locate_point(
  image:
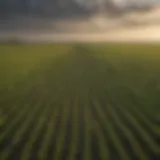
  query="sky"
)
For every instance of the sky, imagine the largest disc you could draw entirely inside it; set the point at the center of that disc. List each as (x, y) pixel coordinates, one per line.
(32, 26)
(118, 2)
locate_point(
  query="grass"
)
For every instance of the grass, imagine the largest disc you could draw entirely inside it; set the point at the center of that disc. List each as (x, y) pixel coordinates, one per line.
(137, 66)
(17, 61)
(67, 101)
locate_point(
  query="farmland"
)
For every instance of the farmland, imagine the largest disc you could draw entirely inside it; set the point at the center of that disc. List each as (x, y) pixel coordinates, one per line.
(79, 102)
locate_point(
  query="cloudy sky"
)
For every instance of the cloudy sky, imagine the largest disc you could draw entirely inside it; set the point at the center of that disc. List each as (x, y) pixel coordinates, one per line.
(118, 2)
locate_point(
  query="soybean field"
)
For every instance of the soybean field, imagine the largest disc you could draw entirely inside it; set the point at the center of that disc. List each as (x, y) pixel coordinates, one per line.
(79, 102)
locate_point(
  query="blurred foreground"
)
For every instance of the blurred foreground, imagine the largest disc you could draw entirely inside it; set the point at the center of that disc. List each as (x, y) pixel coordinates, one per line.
(79, 102)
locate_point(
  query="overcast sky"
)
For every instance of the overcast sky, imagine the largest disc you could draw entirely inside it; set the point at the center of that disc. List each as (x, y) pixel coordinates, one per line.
(119, 2)
(122, 1)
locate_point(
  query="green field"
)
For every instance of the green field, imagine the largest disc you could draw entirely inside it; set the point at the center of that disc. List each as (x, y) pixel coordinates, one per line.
(79, 102)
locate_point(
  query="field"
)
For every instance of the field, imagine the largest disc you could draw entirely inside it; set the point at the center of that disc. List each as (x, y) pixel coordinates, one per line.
(79, 102)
